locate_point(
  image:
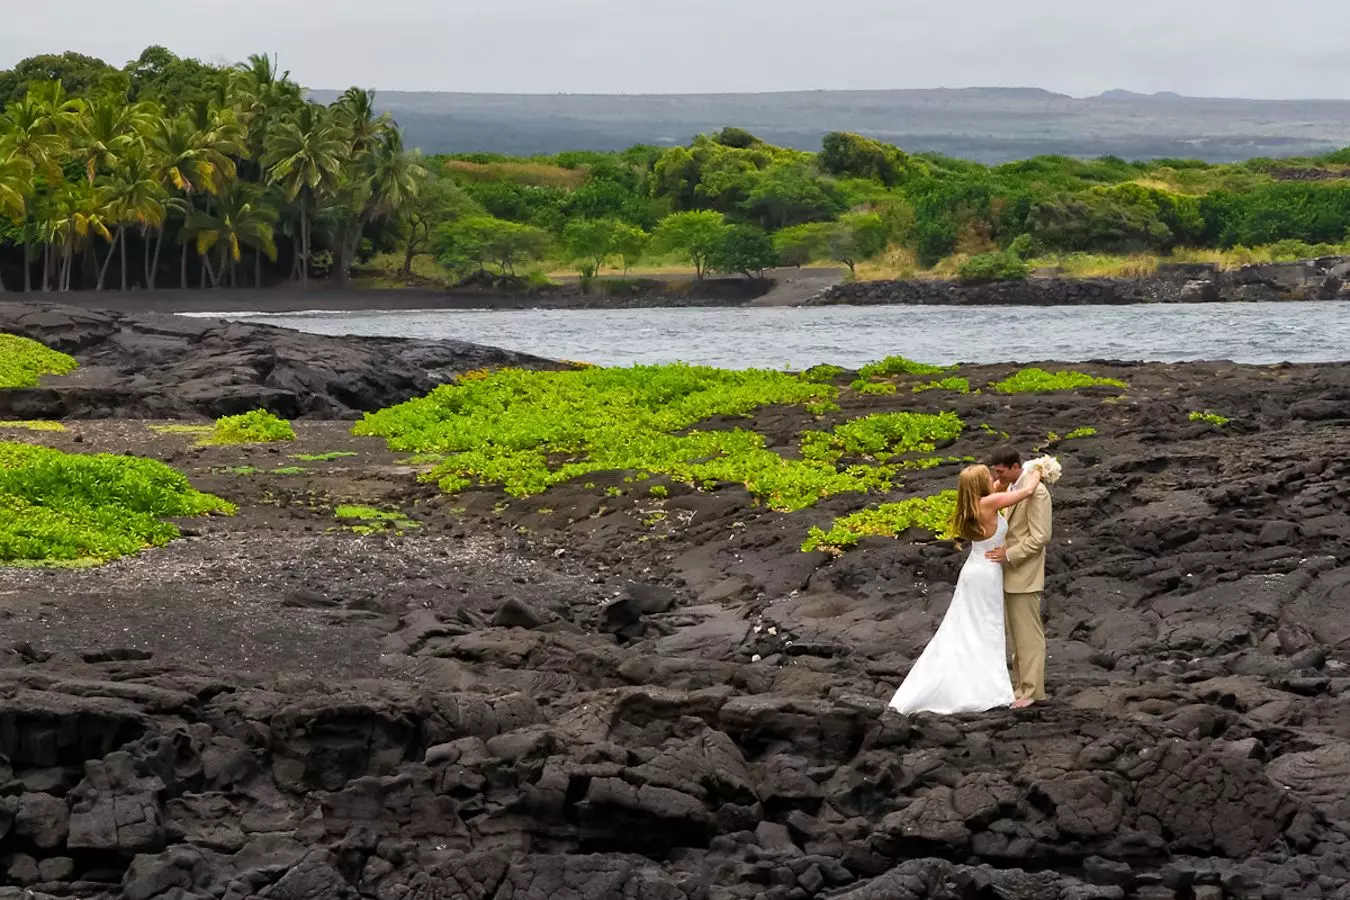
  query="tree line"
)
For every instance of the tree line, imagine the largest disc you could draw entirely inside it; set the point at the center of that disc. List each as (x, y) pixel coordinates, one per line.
(174, 171)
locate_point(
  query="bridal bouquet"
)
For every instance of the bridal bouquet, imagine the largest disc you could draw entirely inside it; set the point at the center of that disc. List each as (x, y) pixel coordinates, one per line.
(1049, 467)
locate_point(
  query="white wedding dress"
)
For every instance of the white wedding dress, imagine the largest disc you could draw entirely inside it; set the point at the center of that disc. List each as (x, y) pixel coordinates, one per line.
(964, 668)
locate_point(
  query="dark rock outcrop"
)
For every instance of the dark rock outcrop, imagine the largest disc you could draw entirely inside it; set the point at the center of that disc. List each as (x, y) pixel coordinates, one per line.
(163, 366)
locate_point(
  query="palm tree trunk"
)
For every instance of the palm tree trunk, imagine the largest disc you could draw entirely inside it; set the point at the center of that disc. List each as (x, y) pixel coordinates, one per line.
(304, 246)
(257, 269)
(107, 261)
(46, 268)
(27, 269)
(408, 260)
(153, 271)
(182, 267)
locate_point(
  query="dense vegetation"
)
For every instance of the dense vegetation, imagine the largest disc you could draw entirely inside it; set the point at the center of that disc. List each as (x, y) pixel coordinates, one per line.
(106, 174)
(62, 507)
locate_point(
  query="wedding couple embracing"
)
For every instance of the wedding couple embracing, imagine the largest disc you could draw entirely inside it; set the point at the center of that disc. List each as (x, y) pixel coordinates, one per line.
(1003, 509)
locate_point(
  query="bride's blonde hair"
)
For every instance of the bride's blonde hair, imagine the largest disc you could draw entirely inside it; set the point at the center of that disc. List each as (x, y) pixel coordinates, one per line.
(975, 484)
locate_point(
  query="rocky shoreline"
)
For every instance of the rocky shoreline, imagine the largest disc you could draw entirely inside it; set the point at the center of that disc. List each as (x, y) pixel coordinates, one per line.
(571, 695)
(1306, 280)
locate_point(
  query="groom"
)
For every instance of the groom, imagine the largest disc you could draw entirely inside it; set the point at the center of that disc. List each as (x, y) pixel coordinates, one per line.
(1023, 560)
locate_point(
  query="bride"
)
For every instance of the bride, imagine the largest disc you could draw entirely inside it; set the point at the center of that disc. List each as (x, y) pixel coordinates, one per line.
(964, 668)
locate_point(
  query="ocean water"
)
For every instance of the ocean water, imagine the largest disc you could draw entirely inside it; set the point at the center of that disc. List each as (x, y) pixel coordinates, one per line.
(853, 335)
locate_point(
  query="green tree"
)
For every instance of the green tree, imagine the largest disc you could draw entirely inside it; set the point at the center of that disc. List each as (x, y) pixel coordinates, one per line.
(630, 243)
(590, 242)
(856, 237)
(790, 195)
(439, 201)
(694, 235)
(803, 244)
(479, 240)
(855, 156)
(136, 198)
(745, 249)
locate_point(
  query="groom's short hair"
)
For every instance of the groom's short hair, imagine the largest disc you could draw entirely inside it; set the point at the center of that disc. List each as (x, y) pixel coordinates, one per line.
(1005, 456)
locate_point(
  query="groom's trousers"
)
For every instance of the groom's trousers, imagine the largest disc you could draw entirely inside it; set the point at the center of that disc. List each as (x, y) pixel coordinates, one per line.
(1022, 614)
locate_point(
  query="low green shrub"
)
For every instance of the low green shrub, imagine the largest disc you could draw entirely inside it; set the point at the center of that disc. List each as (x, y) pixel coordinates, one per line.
(23, 362)
(256, 427)
(33, 425)
(883, 436)
(65, 507)
(323, 457)
(1003, 266)
(933, 514)
(1210, 418)
(372, 520)
(1039, 381)
(822, 374)
(874, 388)
(960, 385)
(898, 365)
(822, 407)
(1085, 432)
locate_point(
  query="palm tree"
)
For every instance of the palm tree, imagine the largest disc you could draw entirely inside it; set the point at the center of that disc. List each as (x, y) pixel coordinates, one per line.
(109, 130)
(241, 218)
(356, 111)
(380, 182)
(36, 129)
(77, 213)
(136, 196)
(16, 186)
(305, 157)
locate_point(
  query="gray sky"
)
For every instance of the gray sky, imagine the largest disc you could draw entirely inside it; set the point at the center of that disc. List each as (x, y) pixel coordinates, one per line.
(1234, 48)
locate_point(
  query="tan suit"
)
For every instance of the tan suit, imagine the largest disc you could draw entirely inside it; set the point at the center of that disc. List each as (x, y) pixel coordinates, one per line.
(1029, 527)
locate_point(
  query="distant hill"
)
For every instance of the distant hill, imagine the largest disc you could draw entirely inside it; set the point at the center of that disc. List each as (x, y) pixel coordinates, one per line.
(990, 125)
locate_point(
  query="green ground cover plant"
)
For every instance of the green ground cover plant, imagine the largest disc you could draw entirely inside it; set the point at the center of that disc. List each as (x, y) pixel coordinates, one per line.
(883, 436)
(323, 457)
(872, 388)
(33, 425)
(256, 427)
(898, 365)
(933, 513)
(372, 520)
(23, 362)
(959, 385)
(1039, 381)
(1209, 418)
(527, 431)
(63, 507)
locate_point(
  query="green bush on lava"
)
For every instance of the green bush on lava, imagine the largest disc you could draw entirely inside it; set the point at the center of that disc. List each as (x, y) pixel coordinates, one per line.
(875, 388)
(822, 374)
(24, 361)
(527, 431)
(64, 507)
(256, 427)
(898, 365)
(1209, 418)
(372, 520)
(1039, 381)
(323, 457)
(933, 514)
(33, 425)
(959, 385)
(883, 436)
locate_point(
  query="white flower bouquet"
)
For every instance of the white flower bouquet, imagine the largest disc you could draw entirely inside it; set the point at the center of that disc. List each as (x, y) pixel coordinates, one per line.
(1049, 467)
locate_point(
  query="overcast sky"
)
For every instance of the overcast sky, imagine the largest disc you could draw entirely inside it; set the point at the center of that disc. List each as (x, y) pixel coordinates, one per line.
(1234, 48)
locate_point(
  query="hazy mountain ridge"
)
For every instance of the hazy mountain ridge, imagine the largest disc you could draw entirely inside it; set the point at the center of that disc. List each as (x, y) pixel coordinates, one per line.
(986, 124)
